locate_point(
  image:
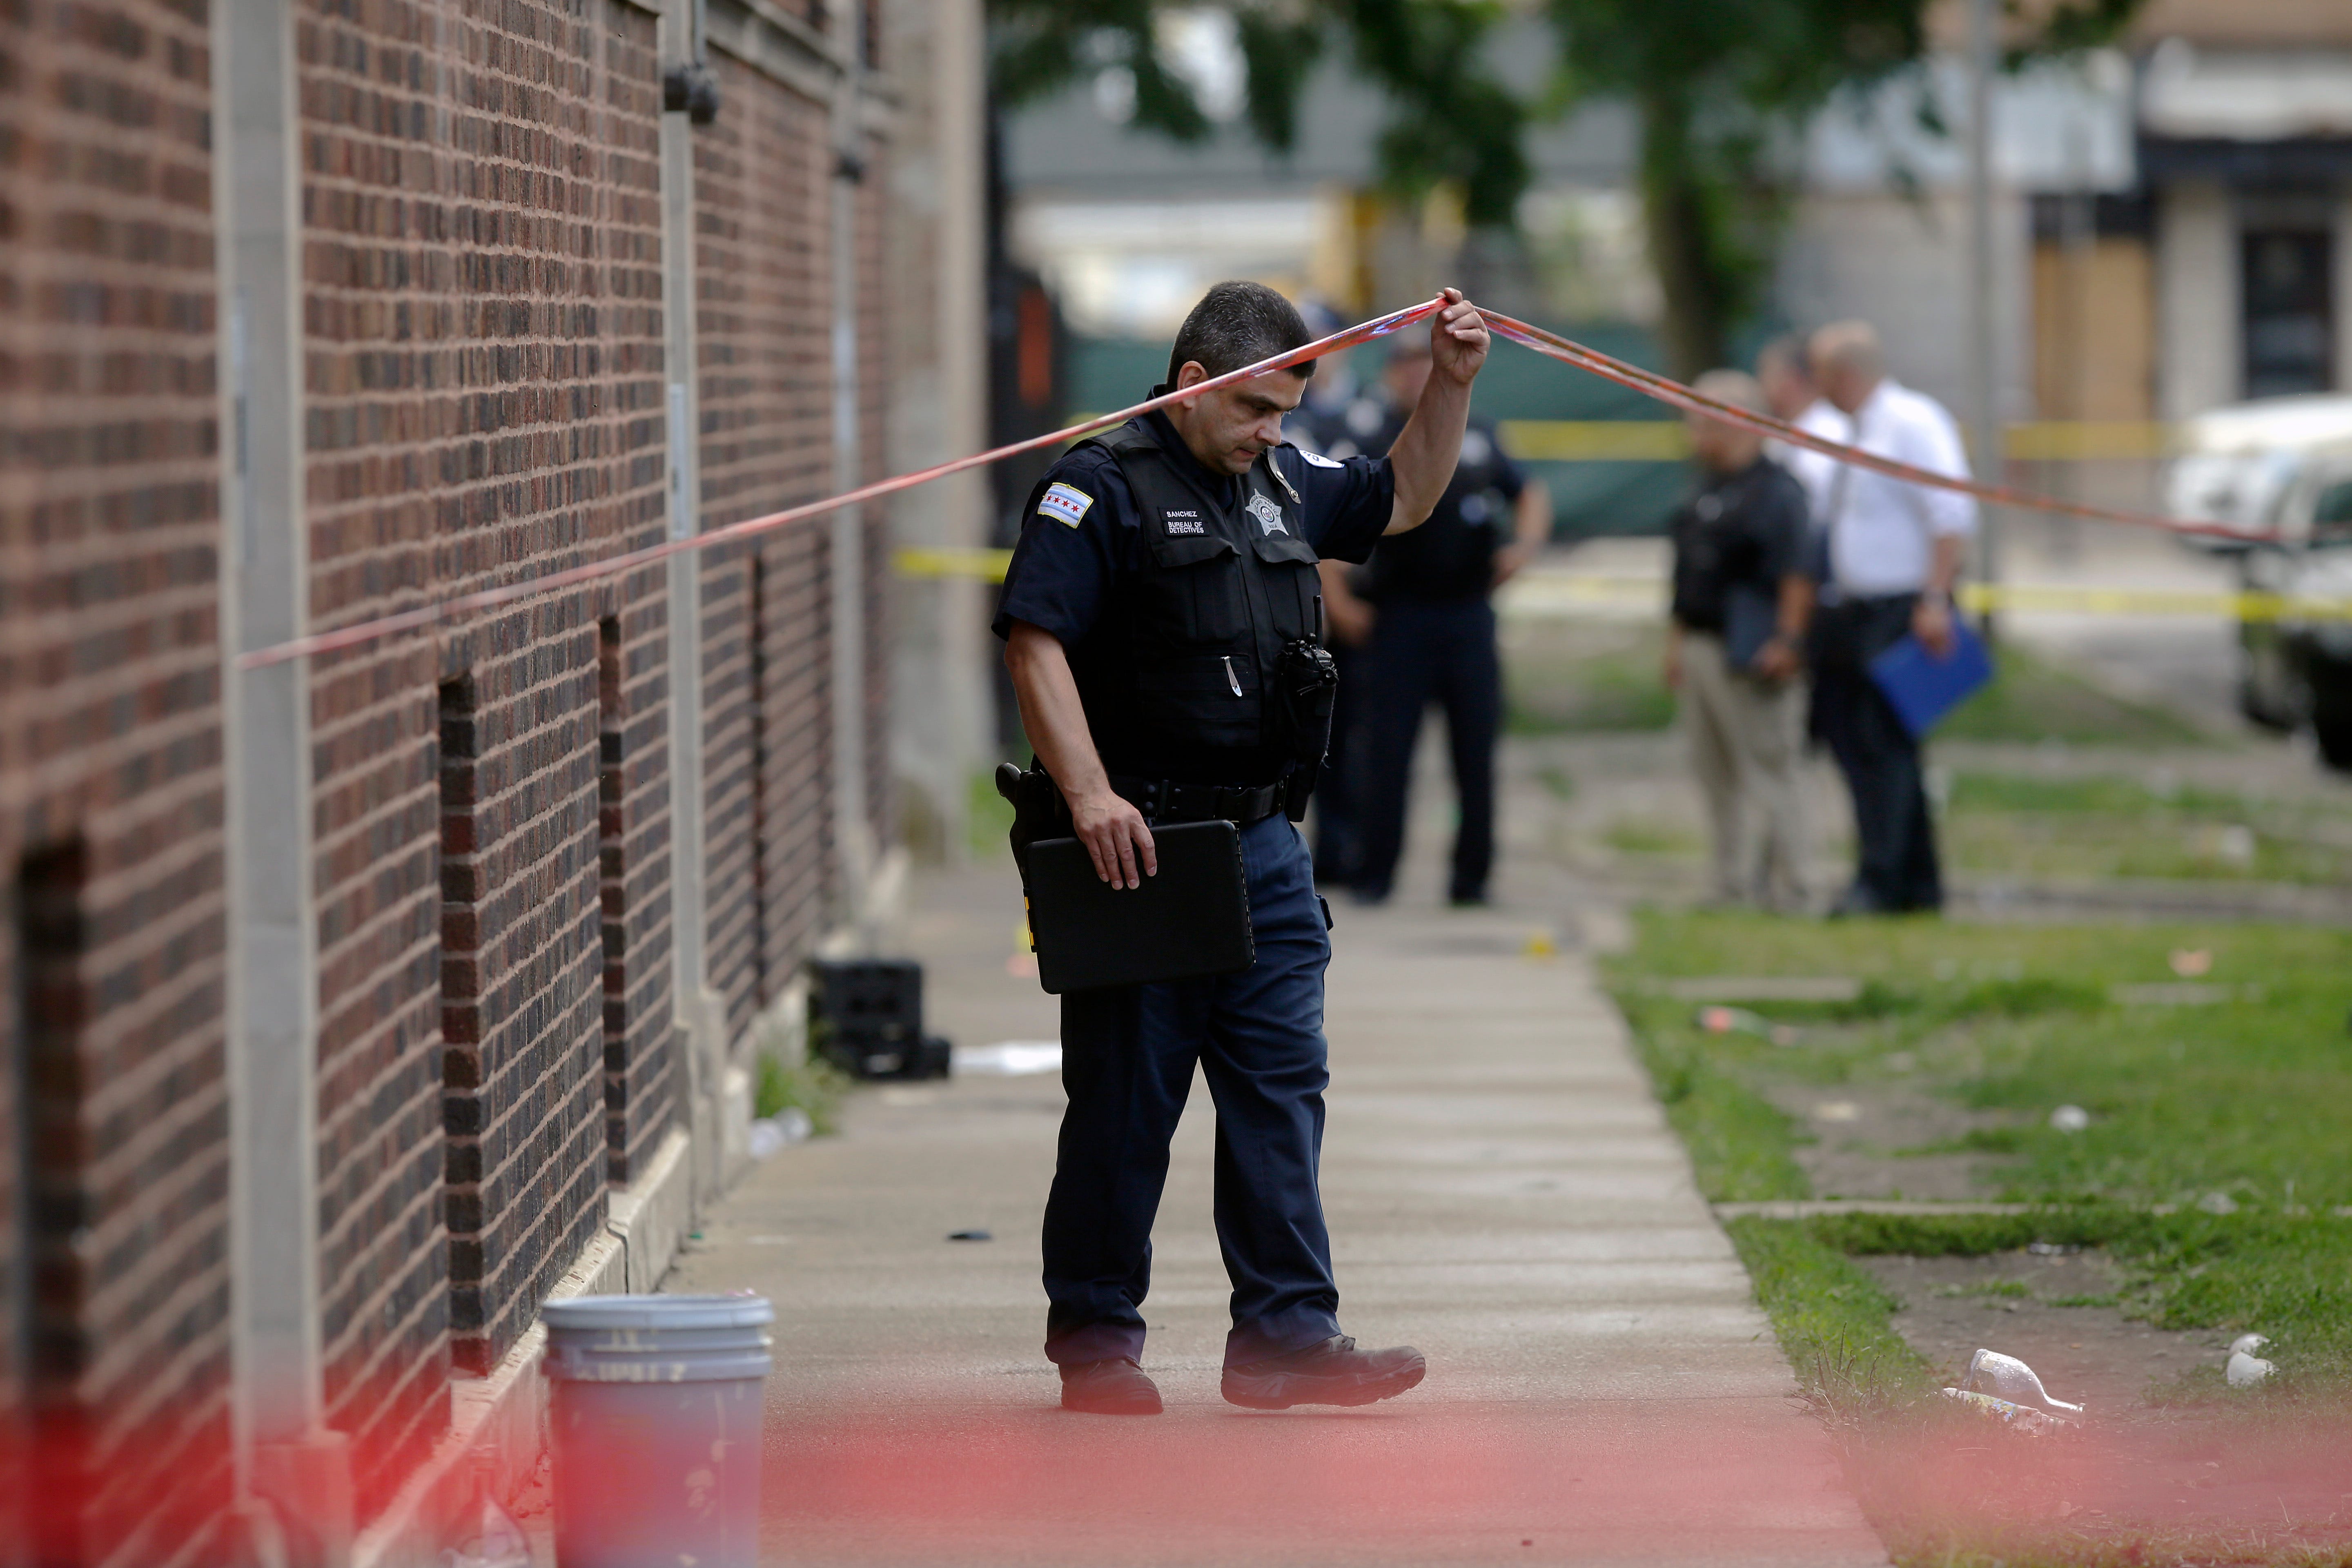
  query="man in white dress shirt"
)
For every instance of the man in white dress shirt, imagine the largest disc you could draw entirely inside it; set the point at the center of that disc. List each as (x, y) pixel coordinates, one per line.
(1893, 553)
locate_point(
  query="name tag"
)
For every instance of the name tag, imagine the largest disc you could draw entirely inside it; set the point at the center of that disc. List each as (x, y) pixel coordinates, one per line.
(1064, 504)
(1183, 522)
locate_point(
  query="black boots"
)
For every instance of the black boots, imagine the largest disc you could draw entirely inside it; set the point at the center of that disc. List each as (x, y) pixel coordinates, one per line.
(1332, 1373)
(1109, 1388)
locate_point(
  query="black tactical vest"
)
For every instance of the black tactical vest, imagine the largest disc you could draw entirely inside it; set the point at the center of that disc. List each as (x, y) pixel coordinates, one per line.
(1228, 583)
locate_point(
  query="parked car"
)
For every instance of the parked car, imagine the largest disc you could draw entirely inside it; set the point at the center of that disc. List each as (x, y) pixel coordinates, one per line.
(2297, 667)
(2235, 465)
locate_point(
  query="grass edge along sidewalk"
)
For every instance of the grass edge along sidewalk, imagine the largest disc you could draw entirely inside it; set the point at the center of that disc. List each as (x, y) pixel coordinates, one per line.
(2282, 1269)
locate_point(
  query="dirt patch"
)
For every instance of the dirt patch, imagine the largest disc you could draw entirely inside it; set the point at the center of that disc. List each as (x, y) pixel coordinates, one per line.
(2217, 1480)
(2010, 1302)
(1855, 1127)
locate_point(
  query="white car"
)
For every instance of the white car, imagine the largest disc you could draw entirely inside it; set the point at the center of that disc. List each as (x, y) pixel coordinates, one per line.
(2298, 667)
(2235, 465)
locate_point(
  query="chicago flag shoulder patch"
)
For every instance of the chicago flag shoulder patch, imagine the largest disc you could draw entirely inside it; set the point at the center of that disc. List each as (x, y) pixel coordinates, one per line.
(1064, 504)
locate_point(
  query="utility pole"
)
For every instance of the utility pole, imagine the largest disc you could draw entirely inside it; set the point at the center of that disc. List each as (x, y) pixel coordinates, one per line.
(1983, 364)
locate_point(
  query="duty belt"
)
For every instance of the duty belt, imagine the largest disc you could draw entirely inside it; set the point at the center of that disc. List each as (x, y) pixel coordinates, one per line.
(1166, 801)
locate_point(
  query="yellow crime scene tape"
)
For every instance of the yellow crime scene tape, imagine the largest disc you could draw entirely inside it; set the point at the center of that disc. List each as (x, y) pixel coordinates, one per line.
(1668, 440)
(1542, 593)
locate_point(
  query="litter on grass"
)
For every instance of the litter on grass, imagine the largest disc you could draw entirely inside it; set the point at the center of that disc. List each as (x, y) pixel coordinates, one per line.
(2245, 1368)
(2006, 1378)
(1740, 1021)
(2069, 1119)
(2007, 1413)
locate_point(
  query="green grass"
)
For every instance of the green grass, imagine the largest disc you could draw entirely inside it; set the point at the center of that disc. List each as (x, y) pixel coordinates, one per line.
(1630, 836)
(2031, 700)
(2097, 827)
(1567, 676)
(2249, 1098)
(814, 1086)
(2286, 1276)
(1739, 1140)
(1831, 1318)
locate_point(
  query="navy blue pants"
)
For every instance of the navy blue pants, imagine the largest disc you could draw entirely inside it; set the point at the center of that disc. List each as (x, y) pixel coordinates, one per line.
(1424, 653)
(1128, 1053)
(1895, 836)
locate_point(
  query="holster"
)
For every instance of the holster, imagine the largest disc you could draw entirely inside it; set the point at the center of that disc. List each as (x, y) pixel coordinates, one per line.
(1038, 810)
(1305, 689)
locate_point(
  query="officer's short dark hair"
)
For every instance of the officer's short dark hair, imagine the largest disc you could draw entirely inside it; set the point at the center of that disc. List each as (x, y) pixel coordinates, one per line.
(1236, 323)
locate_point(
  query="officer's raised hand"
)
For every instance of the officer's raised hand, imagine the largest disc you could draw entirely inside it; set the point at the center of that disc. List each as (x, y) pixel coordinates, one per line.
(1430, 445)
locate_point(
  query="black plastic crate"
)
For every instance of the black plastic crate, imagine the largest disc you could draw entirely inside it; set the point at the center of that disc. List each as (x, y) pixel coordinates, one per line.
(866, 1017)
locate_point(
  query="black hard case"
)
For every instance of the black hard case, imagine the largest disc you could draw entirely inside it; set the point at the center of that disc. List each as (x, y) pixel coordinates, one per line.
(1191, 920)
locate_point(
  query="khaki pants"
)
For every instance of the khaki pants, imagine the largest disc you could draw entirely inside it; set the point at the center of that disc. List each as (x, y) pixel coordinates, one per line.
(1747, 739)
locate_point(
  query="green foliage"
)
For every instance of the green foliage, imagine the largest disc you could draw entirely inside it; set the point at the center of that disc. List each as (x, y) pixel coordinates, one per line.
(1450, 121)
(1723, 88)
(814, 1086)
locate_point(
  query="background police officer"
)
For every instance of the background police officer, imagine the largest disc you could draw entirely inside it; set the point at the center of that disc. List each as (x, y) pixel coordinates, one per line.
(1159, 572)
(1423, 614)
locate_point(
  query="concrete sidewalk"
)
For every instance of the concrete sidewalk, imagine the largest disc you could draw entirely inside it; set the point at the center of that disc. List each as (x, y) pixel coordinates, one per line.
(1503, 1192)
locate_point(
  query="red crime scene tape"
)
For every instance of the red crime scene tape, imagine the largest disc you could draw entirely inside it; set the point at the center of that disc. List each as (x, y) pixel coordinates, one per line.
(1549, 345)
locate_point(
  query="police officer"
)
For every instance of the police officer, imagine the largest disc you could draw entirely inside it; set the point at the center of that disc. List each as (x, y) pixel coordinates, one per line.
(1160, 570)
(1427, 626)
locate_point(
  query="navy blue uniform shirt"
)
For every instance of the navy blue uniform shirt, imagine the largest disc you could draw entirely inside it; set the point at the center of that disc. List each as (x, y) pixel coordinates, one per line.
(1452, 556)
(1066, 573)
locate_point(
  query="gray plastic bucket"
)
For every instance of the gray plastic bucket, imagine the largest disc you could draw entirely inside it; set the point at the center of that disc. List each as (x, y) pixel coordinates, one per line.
(656, 1408)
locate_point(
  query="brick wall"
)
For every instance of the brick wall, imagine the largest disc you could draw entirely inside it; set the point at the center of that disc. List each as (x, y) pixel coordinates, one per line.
(763, 261)
(111, 789)
(643, 1080)
(875, 359)
(484, 401)
(484, 309)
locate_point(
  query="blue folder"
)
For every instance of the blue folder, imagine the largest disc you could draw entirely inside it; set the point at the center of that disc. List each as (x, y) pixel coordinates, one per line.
(1923, 688)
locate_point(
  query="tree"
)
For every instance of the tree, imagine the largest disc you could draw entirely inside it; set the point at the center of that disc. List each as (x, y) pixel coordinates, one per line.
(1724, 90)
(1451, 121)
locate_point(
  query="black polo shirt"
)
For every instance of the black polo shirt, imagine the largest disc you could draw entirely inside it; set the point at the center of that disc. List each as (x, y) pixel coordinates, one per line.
(1086, 534)
(1451, 557)
(1746, 528)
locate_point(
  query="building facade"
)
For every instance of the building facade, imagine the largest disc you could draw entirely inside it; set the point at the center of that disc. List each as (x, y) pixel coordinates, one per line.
(357, 1004)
